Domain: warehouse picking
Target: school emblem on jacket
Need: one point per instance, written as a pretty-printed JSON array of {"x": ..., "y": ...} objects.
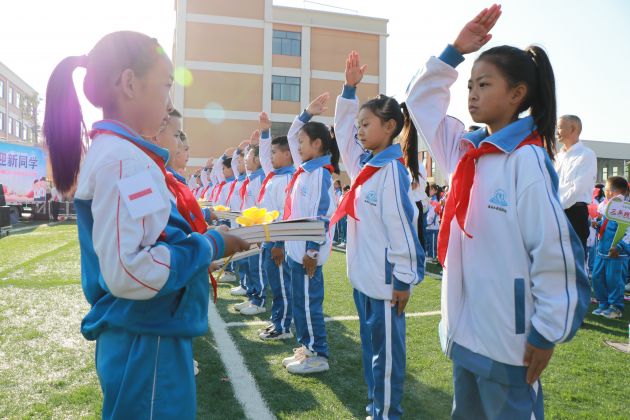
[
  {"x": 371, "y": 198},
  {"x": 498, "y": 201}
]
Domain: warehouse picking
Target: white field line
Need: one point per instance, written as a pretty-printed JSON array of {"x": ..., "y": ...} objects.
[
  {"x": 243, "y": 382},
  {"x": 327, "y": 319}
]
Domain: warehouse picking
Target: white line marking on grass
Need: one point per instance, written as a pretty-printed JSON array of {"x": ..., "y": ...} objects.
[
  {"x": 243, "y": 382},
  {"x": 327, "y": 319}
]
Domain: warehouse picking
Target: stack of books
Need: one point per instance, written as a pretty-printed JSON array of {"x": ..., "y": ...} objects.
[{"x": 289, "y": 230}]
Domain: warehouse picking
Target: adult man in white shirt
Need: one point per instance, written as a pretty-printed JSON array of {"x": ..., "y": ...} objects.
[{"x": 576, "y": 165}]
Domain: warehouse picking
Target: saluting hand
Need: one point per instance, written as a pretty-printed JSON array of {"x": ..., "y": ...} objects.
[
  {"x": 354, "y": 69},
  {"x": 476, "y": 33},
  {"x": 318, "y": 106},
  {"x": 254, "y": 139},
  {"x": 264, "y": 123}
]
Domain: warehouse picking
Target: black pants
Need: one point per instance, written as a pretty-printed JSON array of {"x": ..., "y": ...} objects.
[
  {"x": 420, "y": 223},
  {"x": 54, "y": 209},
  {"x": 578, "y": 217}
]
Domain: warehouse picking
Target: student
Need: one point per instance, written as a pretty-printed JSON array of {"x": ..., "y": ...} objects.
[
  {"x": 310, "y": 193},
  {"x": 256, "y": 281},
  {"x": 611, "y": 263},
  {"x": 235, "y": 203},
  {"x": 275, "y": 158},
  {"x": 514, "y": 283},
  {"x": 144, "y": 269},
  {"x": 433, "y": 225},
  {"x": 383, "y": 251},
  {"x": 338, "y": 195},
  {"x": 182, "y": 155}
]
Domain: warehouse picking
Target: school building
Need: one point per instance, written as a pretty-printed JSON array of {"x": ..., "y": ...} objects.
[
  {"x": 613, "y": 159},
  {"x": 247, "y": 56},
  {"x": 18, "y": 109}
]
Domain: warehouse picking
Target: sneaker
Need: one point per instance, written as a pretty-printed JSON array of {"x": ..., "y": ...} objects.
[
  {"x": 368, "y": 408},
  {"x": 298, "y": 352},
  {"x": 612, "y": 313},
  {"x": 252, "y": 309},
  {"x": 268, "y": 328},
  {"x": 227, "y": 278},
  {"x": 196, "y": 367},
  {"x": 308, "y": 364},
  {"x": 238, "y": 291},
  {"x": 368, "y": 418},
  {"x": 599, "y": 311},
  {"x": 342, "y": 245},
  {"x": 275, "y": 335},
  {"x": 627, "y": 288},
  {"x": 241, "y": 305}
]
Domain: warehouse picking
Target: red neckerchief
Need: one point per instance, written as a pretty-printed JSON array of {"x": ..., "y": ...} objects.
[
  {"x": 242, "y": 191},
  {"x": 232, "y": 188},
  {"x": 263, "y": 186},
  {"x": 288, "y": 202},
  {"x": 217, "y": 191},
  {"x": 462, "y": 183},
  {"x": 203, "y": 192},
  {"x": 186, "y": 202},
  {"x": 602, "y": 228},
  {"x": 348, "y": 204}
]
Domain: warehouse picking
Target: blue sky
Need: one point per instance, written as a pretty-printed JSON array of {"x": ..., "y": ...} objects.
[{"x": 584, "y": 39}]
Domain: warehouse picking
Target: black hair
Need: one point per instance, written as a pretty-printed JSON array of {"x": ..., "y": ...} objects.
[
  {"x": 316, "y": 130},
  {"x": 387, "y": 108},
  {"x": 227, "y": 162},
  {"x": 531, "y": 67},
  {"x": 600, "y": 192},
  {"x": 473, "y": 128},
  {"x": 618, "y": 184},
  {"x": 174, "y": 113},
  {"x": 282, "y": 142}
]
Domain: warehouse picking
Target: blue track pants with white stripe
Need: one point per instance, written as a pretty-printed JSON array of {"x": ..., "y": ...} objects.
[
  {"x": 308, "y": 310},
  {"x": 256, "y": 281},
  {"x": 384, "y": 354},
  {"x": 279, "y": 279},
  {"x": 145, "y": 376}
]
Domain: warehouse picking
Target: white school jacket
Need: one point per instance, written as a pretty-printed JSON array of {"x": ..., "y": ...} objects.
[
  {"x": 521, "y": 276},
  {"x": 313, "y": 196},
  {"x": 382, "y": 248}
]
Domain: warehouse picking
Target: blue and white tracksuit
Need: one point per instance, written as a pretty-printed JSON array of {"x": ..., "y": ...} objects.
[
  {"x": 384, "y": 254},
  {"x": 312, "y": 196},
  {"x": 278, "y": 277},
  {"x": 145, "y": 276},
  {"x": 256, "y": 281},
  {"x": 609, "y": 274},
  {"x": 433, "y": 226},
  {"x": 537, "y": 291}
]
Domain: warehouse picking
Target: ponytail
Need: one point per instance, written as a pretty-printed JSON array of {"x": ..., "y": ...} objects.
[
  {"x": 543, "y": 102},
  {"x": 317, "y": 130},
  {"x": 409, "y": 144},
  {"x": 64, "y": 129},
  {"x": 532, "y": 68}
]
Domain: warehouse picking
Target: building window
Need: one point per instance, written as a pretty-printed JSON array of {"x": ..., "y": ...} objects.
[
  {"x": 1, "y": 121},
  {"x": 10, "y": 126},
  {"x": 432, "y": 168},
  {"x": 615, "y": 171},
  {"x": 17, "y": 99},
  {"x": 18, "y": 129},
  {"x": 287, "y": 43},
  {"x": 24, "y": 132},
  {"x": 604, "y": 174},
  {"x": 10, "y": 95},
  {"x": 1, "y": 88},
  {"x": 285, "y": 88}
]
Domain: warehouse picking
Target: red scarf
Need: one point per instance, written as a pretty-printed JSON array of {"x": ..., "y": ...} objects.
[
  {"x": 243, "y": 191},
  {"x": 186, "y": 202},
  {"x": 348, "y": 204},
  {"x": 232, "y": 187},
  {"x": 216, "y": 191},
  {"x": 602, "y": 229},
  {"x": 288, "y": 202},
  {"x": 462, "y": 183},
  {"x": 203, "y": 192},
  {"x": 263, "y": 186}
]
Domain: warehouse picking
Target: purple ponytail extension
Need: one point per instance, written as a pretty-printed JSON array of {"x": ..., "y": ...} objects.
[{"x": 64, "y": 129}]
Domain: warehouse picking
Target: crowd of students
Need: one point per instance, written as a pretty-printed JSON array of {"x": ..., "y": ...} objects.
[{"x": 514, "y": 282}]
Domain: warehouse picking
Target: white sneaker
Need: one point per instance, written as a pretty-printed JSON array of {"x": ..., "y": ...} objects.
[
  {"x": 308, "y": 364},
  {"x": 241, "y": 305},
  {"x": 275, "y": 335},
  {"x": 297, "y": 353},
  {"x": 238, "y": 291},
  {"x": 227, "y": 278},
  {"x": 196, "y": 367},
  {"x": 252, "y": 309}
]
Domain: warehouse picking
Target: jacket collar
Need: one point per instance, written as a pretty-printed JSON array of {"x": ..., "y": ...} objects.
[
  {"x": 392, "y": 152},
  {"x": 507, "y": 139},
  {"x": 127, "y": 132},
  {"x": 319, "y": 162}
]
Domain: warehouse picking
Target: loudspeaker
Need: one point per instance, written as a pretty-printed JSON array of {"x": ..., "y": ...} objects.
[{"x": 5, "y": 216}]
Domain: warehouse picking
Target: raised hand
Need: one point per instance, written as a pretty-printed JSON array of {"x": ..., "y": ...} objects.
[
  {"x": 230, "y": 151},
  {"x": 243, "y": 145},
  {"x": 318, "y": 106},
  {"x": 264, "y": 123},
  {"x": 354, "y": 69},
  {"x": 254, "y": 139},
  {"x": 476, "y": 33}
]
